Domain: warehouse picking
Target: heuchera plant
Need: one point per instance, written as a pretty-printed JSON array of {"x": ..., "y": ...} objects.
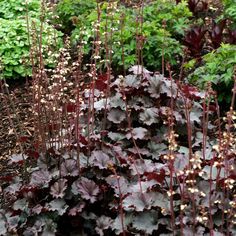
[{"x": 133, "y": 175}]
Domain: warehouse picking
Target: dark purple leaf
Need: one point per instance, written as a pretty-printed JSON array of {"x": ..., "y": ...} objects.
[
  {"x": 13, "y": 188},
  {"x": 102, "y": 223},
  {"x": 137, "y": 133},
  {"x": 100, "y": 104},
  {"x": 117, "y": 225},
  {"x": 231, "y": 36},
  {"x": 69, "y": 168},
  {"x": 116, "y": 115},
  {"x": 146, "y": 222},
  {"x": 194, "y": 40},
  {"x": 149, "y": 116},
  {"x": 158, "y": 85},
  {"x": 117, "y": 101},
  {"x": 146, "y": 186},
  {"x": 192, "y": 5},
  {"x": 57, "y": 190},
  {"x": 141, "y": 151},
  {"x": 120, "y": 185},
  {"x": 77, "y": 209},
  {"x": 100, "y": 159},
  {"x": 86, "y": 188},
  {"x": 216, "y": 33},
  {"x": 181, "y": 162},
  {"x": 137, "y": 201},
  {"x": 140, "y": 201},
  {"x": 41, "y": 178},
  {"x": 142, "y": 166},
  {"x": 132, "y": 81}
]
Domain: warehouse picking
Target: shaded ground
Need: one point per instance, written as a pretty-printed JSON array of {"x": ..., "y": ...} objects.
[{"x": 15, "y": 114}]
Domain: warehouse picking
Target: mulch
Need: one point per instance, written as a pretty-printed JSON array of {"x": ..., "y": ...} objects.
[{"x": 15, "y": 117}]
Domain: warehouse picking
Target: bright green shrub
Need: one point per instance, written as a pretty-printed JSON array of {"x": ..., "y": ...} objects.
[
  {"x": 218, "y": 69},
  {"x": 67, "y": 9},
  {"x": 14, "y": 37},
  {"x": 230, "y": 10},
  {"x": 155, "y": 35},
  {"x": 14, "y": 47},
  {"x": 12, "y": 9}
]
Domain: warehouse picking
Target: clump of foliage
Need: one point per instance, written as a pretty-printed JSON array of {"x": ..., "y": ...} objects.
[
  {"x": 162, "y": 22},
  {"x": 13, "y": 9},
  {"x": 72, "y": 12},
  {"x": 136, "y": 154},
  {"x": 16, "y": 39},
  {"x": 211, "y": 41},
  {"x": 229, "y": 10},
  {"x": 218, "y": 69},
  {"x": 123, "y": 169}
]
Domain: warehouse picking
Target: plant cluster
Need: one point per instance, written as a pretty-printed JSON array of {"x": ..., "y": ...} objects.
[
  {"x": 137, "y": 162},
  {"x": 162, "y": 23},
  {"x": 139, "y": 153},
  {"x": 220, "y": 74},
  {"x": 19, "y": 33},
  {"x": 207, "y": 42}
]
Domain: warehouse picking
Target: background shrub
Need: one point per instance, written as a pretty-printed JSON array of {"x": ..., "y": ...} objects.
[
  {"x": 14, "y": 35},
  {"x": 218, "y": 69},
  {"x": 163, "y": 26}
]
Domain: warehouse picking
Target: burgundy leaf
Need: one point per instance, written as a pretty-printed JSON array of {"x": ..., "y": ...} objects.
[
  {"x": 86, "y": 188},
  {"x": 159, "y": 177},
  {"x": 32, "y": 154},
  {"x": 231, "y": 36},
  {"x": 70, "y": 107},
  {"x": 57, "y": 190},
  {"x": 7, "y": 178},
  {"x": 191, "y": 92},
  {"x": 192, "y": 5},
  {"x": 194, "y": 40},
  {"x": 216, "y": 33},
  {"x": 23, "y": 139},
  {"x": 101, "y": 82},
  {"x": 69, "y": 168}
]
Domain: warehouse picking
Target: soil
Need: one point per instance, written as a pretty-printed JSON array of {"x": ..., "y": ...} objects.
[{"x": 15, "y": 116}]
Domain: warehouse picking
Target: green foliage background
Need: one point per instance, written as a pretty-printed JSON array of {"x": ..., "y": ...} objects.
[{"x": 15, "y": 38}]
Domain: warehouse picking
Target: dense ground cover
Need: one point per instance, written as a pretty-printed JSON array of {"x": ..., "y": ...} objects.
[{"x": 112, "y": 135}]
